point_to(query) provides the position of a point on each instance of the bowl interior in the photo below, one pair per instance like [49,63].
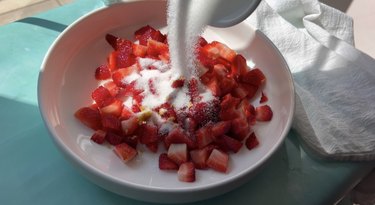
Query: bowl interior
[67,80]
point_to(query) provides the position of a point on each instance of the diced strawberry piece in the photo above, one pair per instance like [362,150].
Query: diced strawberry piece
[263,98]
[165,163]
[190,125]
[165,128]
[239,66]
[113,139]
[126,113]
[199,157]
[178,153]
[139,50]
[119,75]
[229,143]
[131,140]
[102,96]
[263,113]
[89,117]
[99,136]
[240,128]
[166,111]
[252,141]
[202,42]
[249,111]
[177,136]
[115,108]
[112,88]
[204,112]
[111,122]
[214,85]
[102,72]
[124,60]
[186,172]
[119,44]
[155,48]
[135,108]
[204,136]
[153,147]
[125,152]
[218,161]
[130,125]
[253,77]
[178,83]
[147,32]
[227,84]
[216,49]
[228,101]
[112,58]
[148,133]
[221,128]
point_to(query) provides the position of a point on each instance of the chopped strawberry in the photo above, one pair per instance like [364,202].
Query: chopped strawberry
[153,147]
[221,128]
[130,125]
[102,72]
[112,60]
[147,133]
[165,163]
[228,143]
[228,102]
[102,96]
[139,50]
[218,161]
[199,157]
[115,108]
[263,113]
[202,42]
[178,83]
[99,136]
[156,48]
[111,122]
[239,66]
[186,172]
[263,98]
[253,77]
[113,138]
[203,112]
[119,44]
[125,152]
[112,88]
[131,140]
[124,60]
[89,117]
[190,125]
[204,136]
[147,32]
[126,113]
[252,141]
[216,49]
[240,128]
[244,91]
[166,111]
[119,75]
[178,153]
[178,135]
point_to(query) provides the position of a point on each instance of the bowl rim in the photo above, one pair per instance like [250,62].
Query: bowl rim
[98,173]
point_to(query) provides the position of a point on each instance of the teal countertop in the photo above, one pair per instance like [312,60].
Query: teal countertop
[34,172]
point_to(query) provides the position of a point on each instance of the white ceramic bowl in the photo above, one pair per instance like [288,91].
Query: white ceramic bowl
[66,81]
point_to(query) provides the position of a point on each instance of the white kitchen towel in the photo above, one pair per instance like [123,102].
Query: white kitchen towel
[335,82]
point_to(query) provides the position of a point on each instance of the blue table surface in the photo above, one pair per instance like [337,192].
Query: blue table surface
[32,171]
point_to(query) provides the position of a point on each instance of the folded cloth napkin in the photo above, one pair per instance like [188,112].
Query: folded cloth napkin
[335,82]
